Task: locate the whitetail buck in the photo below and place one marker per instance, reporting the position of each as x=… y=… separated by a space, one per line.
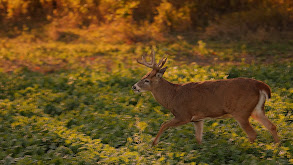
x=193 y=102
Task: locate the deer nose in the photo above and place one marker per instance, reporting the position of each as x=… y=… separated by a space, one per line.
x=133 y=87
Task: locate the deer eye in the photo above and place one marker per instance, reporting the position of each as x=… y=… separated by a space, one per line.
x=146 y=81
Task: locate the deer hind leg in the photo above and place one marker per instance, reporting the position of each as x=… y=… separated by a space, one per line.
x=245 y=125
x=198 y=126
x=259 y=115
x=172 y=123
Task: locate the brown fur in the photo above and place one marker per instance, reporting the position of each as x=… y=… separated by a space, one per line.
x=195 y=101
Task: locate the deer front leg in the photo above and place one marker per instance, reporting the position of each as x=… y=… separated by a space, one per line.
x=172 y=123
x=198 y=126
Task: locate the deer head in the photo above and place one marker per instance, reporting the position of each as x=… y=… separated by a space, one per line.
x=153 y=77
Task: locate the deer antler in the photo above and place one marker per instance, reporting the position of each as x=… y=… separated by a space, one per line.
x=153 y=63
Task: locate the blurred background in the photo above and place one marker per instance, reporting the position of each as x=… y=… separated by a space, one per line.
x=67 y=67
x=144 y=20
x=232 y=26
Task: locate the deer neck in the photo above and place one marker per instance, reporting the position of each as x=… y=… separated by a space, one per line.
x=164 y=92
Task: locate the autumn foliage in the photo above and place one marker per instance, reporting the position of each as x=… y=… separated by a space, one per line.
x=213 y=18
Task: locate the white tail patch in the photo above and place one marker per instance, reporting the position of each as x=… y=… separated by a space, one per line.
x=263 y=96
x=265 y=93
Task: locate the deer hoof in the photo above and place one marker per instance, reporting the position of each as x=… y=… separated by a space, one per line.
x=155 y=142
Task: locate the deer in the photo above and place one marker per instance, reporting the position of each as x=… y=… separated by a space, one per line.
x=239 y=98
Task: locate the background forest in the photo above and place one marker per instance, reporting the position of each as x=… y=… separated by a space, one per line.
x=149 y=18
x=67 y=67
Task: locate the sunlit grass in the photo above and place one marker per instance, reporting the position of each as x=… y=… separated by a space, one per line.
x=71 y=103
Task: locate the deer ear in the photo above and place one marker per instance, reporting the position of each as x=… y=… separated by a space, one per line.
x=161 y=72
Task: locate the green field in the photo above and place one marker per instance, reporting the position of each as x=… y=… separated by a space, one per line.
x=70 y=102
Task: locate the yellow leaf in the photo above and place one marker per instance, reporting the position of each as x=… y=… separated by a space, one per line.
x=215 y=124
x=142 y=125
